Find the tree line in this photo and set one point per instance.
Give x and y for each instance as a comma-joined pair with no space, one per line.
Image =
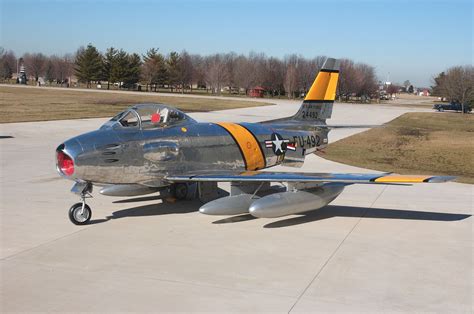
230,72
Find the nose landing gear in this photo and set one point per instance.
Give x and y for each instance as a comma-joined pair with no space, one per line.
81,213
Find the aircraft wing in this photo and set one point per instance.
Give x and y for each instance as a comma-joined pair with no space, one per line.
346,178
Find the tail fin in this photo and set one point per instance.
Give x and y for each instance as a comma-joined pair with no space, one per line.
317,105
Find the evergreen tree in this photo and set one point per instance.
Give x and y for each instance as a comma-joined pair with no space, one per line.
119,70
88,65
109,59
162,72
149,68
134,66
439,82
172,64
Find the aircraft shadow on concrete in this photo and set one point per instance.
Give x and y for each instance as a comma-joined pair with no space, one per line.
157,209
330,211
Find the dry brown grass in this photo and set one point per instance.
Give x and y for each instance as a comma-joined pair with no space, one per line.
40,104
415,143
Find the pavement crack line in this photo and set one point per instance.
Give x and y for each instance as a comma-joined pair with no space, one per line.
26,250
9,257
336,249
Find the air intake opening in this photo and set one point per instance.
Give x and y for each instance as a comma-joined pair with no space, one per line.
65,163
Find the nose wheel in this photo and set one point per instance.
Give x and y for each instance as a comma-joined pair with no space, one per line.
80,214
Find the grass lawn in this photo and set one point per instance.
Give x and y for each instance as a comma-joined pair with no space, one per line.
36,104
414,143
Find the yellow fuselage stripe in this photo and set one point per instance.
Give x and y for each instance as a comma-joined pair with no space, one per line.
324,87
251,151
402,179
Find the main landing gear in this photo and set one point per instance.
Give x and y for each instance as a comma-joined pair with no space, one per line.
183,191
81,213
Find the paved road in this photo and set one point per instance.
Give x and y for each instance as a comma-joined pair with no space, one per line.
376,248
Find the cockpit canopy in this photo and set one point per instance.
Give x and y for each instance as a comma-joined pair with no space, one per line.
149,116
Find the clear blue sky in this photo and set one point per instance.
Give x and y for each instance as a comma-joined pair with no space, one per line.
408,39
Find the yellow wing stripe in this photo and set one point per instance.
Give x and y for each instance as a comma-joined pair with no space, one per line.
251,152
402,179
324,87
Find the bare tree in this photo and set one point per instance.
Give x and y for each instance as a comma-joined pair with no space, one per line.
392,89
216,72
356,79
49,71
347,73
199,70
185,71
258,61
35,64
62,68
291,75
307,69
457,84
274,76
366,83
230,60
7,64
244,73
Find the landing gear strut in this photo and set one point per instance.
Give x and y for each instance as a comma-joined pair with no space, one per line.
81,213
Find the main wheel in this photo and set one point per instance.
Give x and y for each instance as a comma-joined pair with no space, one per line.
79,217
180,191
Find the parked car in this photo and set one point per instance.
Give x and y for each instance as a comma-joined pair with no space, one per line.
455,106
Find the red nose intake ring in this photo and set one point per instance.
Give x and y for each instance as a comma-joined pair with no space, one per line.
65,163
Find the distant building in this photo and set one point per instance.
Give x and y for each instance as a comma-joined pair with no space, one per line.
424,92
257,91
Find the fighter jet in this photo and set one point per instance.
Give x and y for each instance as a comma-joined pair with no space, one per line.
153,147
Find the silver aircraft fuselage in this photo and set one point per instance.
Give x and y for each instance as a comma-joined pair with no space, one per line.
145,154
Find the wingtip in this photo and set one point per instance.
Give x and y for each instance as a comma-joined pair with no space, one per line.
440,179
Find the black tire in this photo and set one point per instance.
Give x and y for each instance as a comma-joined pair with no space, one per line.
75,214
180,191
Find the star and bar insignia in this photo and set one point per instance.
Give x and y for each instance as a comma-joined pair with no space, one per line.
279,144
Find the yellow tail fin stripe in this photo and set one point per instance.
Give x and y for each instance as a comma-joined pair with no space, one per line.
402,179
324,87
251,151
